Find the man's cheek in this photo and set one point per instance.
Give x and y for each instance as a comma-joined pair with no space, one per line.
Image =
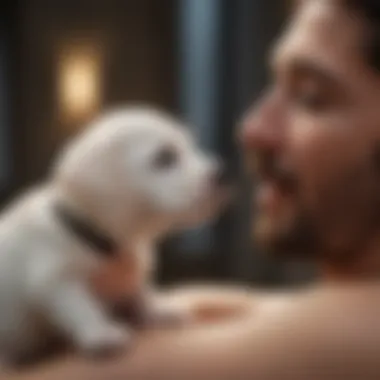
321,159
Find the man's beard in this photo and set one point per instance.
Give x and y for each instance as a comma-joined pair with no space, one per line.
345,219
298,239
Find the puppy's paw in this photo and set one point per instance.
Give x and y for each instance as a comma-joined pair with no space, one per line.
106,341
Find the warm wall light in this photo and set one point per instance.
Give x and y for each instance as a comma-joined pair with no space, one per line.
79,87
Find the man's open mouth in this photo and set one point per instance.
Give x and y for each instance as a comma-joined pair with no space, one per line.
268,169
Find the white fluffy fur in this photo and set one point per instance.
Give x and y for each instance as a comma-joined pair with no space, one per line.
107,175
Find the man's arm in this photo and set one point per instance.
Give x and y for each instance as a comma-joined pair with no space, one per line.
285,341
282,341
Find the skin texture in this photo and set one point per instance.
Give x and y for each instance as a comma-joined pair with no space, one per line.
317,130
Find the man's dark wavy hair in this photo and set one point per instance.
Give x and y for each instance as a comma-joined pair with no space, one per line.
370,10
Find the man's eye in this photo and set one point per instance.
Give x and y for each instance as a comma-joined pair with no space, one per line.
310,97
312,100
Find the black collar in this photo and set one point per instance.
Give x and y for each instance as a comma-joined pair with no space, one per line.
101,243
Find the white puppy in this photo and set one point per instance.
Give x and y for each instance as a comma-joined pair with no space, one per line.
131,177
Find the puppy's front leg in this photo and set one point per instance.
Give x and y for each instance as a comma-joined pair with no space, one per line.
140,303
73,309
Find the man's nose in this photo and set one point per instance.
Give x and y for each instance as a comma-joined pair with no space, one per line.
263,127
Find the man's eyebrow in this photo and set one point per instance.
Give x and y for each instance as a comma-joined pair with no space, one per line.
304,67
310,68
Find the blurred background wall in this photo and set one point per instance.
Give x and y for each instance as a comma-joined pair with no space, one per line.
64,61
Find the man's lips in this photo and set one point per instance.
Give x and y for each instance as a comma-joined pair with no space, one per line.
269,196
268,168
284,181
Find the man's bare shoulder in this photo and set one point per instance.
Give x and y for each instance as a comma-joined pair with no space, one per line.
335,310
324,333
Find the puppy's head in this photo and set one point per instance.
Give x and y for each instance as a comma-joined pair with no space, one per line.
141,167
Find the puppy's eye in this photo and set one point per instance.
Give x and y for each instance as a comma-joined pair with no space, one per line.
165,158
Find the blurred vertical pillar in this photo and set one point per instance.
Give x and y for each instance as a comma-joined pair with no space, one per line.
249,26
223,48
199,42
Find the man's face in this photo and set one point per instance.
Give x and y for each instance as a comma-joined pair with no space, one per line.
314,138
